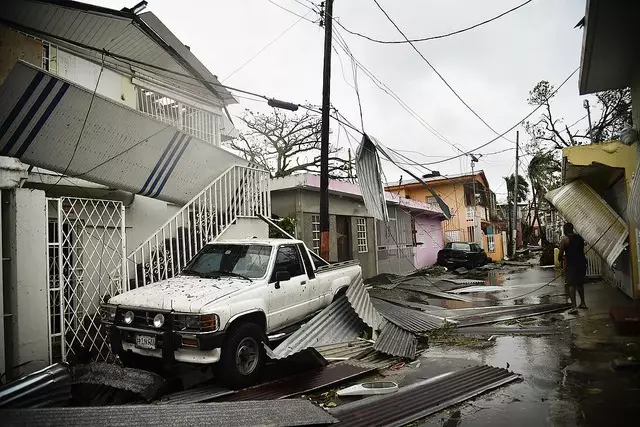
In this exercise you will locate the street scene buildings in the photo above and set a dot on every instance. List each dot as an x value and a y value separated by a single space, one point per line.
206 217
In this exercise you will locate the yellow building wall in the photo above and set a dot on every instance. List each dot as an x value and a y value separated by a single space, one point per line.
616 155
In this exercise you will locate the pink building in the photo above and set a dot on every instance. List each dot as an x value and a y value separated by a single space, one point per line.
410 239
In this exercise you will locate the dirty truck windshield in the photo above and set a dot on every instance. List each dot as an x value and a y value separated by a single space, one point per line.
249 261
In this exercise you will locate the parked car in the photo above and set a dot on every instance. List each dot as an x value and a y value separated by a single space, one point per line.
462 254
224 306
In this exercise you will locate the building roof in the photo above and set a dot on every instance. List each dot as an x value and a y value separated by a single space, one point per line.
609 47
441 179
341 188
137 44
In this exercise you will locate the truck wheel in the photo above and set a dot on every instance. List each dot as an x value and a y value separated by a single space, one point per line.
243 355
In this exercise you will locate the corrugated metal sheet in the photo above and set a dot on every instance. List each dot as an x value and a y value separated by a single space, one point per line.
419 400
359 299
335 324
42 118
515 312
48 387
415 305
633 209
377 359
195 395
396 341
408 319
293 412
147 40
346 350
465 281
369 172
592 218
303 383
435 293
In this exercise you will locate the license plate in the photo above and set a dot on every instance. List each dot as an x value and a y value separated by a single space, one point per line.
146 342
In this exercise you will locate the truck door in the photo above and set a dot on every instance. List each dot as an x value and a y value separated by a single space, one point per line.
288 299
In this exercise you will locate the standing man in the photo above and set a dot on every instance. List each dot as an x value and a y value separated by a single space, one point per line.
571 253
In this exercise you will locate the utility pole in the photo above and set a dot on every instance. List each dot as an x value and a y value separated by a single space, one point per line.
324 134
474 160
515 198
585 104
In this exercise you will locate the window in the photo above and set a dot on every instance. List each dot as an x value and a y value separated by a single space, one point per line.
361 228
247 260
432 201
49 57
471 210
460 247
315 231
288 260
194 121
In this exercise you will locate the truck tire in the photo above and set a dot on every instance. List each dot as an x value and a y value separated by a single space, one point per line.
243 355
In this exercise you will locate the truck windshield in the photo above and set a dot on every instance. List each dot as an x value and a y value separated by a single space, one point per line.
249 261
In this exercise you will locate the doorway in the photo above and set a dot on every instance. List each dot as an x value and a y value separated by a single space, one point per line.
343 234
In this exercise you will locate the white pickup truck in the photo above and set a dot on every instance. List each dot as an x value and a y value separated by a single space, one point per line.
229 300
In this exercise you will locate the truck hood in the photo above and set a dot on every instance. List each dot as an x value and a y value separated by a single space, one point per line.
187 294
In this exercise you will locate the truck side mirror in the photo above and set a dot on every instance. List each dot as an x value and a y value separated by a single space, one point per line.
282 276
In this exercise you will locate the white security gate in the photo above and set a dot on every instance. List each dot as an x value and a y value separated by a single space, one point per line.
87 252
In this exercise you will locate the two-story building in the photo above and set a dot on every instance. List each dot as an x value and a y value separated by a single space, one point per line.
410 240
473 206
112 173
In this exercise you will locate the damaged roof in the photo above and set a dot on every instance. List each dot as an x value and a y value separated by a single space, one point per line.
359 299
396 341
419 400
335 324
89 30
598 224
290 412
407 318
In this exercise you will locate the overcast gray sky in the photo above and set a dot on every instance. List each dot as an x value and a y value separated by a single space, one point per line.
492 67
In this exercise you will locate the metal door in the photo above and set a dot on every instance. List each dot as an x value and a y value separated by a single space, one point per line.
87 252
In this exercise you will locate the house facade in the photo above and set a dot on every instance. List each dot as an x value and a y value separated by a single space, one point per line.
409 240
111 170
472 218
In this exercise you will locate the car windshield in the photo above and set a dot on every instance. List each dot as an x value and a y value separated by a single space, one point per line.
461 247
248 261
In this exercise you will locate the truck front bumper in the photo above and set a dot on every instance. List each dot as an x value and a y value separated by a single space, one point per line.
170 345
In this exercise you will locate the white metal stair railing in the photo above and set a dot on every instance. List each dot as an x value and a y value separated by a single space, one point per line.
240 191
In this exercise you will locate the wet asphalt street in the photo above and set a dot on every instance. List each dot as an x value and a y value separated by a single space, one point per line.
566 375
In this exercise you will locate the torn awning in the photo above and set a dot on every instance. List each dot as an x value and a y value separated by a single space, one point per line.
598 224
42 122
634 199
369 173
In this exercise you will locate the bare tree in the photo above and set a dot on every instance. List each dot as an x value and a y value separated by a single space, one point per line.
613 108
287 144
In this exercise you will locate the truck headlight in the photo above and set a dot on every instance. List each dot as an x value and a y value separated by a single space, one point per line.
199 323
107 313
158 321
128 317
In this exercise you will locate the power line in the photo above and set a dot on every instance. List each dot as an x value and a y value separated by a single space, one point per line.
510 129
291 12
382 86
244 64
438 73
441 36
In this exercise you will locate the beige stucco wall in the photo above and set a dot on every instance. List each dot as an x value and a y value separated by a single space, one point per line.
14 47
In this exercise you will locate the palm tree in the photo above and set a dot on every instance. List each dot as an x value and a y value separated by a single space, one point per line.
523 187
543 174
523 192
